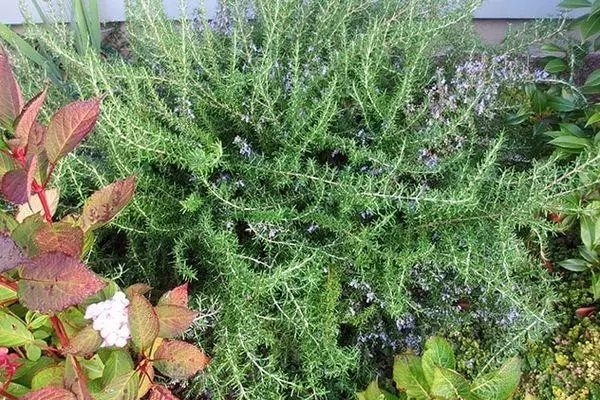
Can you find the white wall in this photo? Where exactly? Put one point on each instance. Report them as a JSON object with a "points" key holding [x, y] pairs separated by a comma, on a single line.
{"points": [[113, 10]]}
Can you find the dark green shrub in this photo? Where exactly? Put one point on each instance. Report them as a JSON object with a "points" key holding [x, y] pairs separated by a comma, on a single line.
{"points": [[336, 188]]}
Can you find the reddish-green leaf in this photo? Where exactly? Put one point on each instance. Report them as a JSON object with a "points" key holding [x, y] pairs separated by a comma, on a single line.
{"points": [[11, 254], [86, 341], [106, 203], [179, 360], [177, 296], [60, 237], [25, 232], [16, 185], [159, 392], [75, 379], [139, 288], [69, 126], [174, 320], [55, 281], [11, 99], [143, 323], [7, 163], [26, 122], [50, 393]]}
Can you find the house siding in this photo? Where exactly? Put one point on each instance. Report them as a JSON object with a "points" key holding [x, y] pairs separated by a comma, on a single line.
{"points": [[114, 10]]}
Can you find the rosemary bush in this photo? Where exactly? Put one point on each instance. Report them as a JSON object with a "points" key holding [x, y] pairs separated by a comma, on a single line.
{"points": [[333, 176]]}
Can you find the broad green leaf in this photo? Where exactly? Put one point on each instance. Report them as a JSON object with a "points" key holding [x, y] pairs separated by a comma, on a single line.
{"points": [[143, 323], [174, 320], [33, 352], [449, 385], [571, 129], [179, 360], [595, 288], [7, 163], [589, 26], [55, 281], [13, 331], [11, 99], [177, 296], [593, 79], [408, 375], [590, 231], [86, 341], [69, 126], [557, 65], [373, 392], [575, 264], [7, 293], [572, 4], [594, 119], [500, 384], [28, 369], [49, 376], [571, 142], [102, 206], [24, 234], [551, 48], [561, 104], [588, 255], [50, 393], [438, 353], [117, 364], [122, 387], [17, 390], [93, 368], [11, 254]]}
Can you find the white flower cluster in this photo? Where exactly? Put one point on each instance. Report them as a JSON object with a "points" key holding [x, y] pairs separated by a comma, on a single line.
{"points": [[111, 320]]}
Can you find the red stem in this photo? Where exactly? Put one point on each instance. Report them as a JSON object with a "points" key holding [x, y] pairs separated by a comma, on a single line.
{"points": [[8, 282], [41, 192], [60, 331]]}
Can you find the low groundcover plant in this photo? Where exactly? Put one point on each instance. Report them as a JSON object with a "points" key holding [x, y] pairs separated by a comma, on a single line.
{"points": [[66, 333]]}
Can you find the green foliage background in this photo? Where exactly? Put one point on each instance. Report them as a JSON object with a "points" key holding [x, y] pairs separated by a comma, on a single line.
{"points": [[278, 162]]}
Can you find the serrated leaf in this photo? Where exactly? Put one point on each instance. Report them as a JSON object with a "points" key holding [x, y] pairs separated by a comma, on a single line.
{"points": [[13, 332], [27, 119], [174, 320], [179, 360], [575, 265], [449, 385], [55, 281], [373, 392], [143, 323], [139, 288], [24, 234], [69, 126], [123, 387], [438, 353], [159, 392], [119, 363], [408, 375], [11, 254], [11, 99], [75, 380], [34, 205], [102, 206], [50, 393], [176, 297], [93, 367], [49, 376], [500, 384], [60, 237], [86, 341]]}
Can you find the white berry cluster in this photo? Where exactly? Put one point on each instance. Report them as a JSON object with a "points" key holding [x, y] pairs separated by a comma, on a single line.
{"points": [[111, 320]]}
